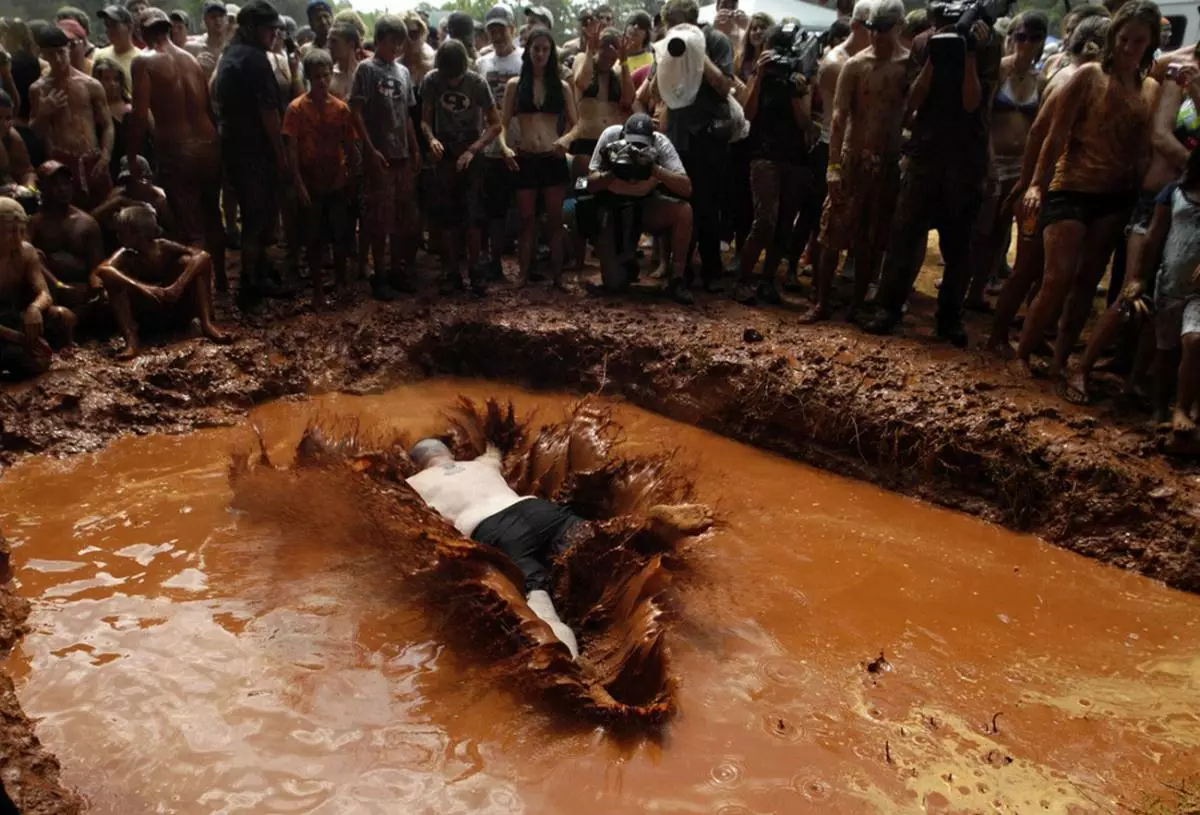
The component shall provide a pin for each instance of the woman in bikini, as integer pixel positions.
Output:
(537, 100)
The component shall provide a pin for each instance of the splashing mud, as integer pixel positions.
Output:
(185, 658)
(609, 583)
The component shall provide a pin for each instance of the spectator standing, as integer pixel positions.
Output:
(207, 49)
(320, 20)
(80, 47)
(639, 31)
(181, 27)
(118, 27)
(496, 182)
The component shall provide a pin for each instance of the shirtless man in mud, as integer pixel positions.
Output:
(24, 298)
(68, 109)
(156, 274)
(68, 238)
(128, 192)
(474, 496)
(169, 84)
(207, 49)
(864, 145)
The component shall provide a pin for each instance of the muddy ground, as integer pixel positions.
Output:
(955, 428)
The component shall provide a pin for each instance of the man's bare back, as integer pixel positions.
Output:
(177, 95)
(70, 106)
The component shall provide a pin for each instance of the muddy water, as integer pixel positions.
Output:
(178, 664)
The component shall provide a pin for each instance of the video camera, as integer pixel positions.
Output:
(793, 51)
(950, 46)
(629, 161)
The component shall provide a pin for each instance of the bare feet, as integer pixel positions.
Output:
(216, 335)
(1181, 423)
(814, 315)
(1026, 368)
(682, 519)
(1075, 387)
(130, 351)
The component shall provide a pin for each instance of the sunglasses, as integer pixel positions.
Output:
(1022, 37)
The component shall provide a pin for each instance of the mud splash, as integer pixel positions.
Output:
(609, 583)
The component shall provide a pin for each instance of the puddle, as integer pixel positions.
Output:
(177, 665)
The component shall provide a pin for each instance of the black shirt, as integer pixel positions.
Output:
(244, 87)
(774, 133)
(709, 105)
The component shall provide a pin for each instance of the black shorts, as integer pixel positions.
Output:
(1085, 207)
(541, 170)
(496, 188)
(531, 533)
(327, 216)
(453, 194)
(583, 147)
(256, 184)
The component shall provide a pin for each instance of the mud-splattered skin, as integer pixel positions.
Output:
(609, 583)
(872, 90)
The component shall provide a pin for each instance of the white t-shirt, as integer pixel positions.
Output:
(497, 71)
(466, 492)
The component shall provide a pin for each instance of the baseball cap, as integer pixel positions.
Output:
(540, 13)
(51, 37)
(180, 16)
(317, 5)
(152, 16)
(48, 169)
(499, 14)
(259, 13)
(72, 29)
(117, 14)
(143, 165)
(211, 6)
(639, 129)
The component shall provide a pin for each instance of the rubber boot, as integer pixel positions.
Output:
(541, 604)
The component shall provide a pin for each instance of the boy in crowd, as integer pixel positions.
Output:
(380, 100)
(459, 120)
(320, 131)
(496, 180)
(156, 274)
(24, 298)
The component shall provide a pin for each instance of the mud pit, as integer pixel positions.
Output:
(174, 664)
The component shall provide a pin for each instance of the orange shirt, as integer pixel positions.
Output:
(320, 131)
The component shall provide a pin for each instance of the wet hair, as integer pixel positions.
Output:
(139, 218)
(551, 80)
(427, 449)
(390, 25)
(685, 10)
(1132, 13)
(346, 31)
(747, 51)
(1087, 40)
(641, 20)
(108, 64)
(451, 59)
(77, 14)
(314, 59)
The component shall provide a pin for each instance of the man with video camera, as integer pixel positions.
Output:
(640, 186)
(946, 161)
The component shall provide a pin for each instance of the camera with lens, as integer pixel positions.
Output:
(950, 46)
(628, 161)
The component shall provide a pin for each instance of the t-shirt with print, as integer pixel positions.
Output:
(458, 110)
(497, 71)
(320, 131)
(386, 92)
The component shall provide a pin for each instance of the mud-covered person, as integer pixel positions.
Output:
(946, 168)
(69, 111)
(460, 119)
(496, 187)
(169, 89)
(207, 48)
(863, 173)
(380, 99)
(69, 240)
(15, 167)
(246, 93)
(156, 280)
(657, 205)
(132, 188)
(24, 297)
(320, 131)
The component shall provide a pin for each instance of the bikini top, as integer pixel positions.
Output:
(1187, 125)
(553, 105)
(614, 87)
(1006, 100)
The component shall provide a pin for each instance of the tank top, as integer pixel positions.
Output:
(1114, 123)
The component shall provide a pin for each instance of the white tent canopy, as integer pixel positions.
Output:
(810, 15)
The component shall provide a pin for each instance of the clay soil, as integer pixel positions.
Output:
(955, 428)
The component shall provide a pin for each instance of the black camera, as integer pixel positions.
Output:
(629, 161)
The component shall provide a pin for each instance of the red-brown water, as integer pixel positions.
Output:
(177, 665)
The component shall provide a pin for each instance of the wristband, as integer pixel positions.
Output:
(834, 165)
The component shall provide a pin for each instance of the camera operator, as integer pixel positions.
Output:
(630, 163)
(947, 163)
(701, 132)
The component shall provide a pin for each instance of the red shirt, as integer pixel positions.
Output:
(320, 131)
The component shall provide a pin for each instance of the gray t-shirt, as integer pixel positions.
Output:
(665, 155)
(497, 71)
(1181, 253)
(458, 111)
(386, 92)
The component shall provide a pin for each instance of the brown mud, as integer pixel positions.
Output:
(956, 429)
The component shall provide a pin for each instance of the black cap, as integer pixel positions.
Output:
(151, 17)
(117, 14)
(639, 129)
(260, 14)
(213, 5)
(51, 37)
(499, 14)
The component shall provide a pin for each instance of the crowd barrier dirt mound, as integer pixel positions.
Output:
(609, 585)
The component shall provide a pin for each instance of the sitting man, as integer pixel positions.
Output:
(132, 189)
(474, 496)
(68, 238)
(24, 298)
(15, 169)
(154, 273)
(627, 167)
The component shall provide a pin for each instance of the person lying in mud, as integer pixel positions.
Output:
(24, 298)
(474, 496)
(156, 279)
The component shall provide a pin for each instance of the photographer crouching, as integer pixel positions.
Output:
(640, 186)
(946, 164)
